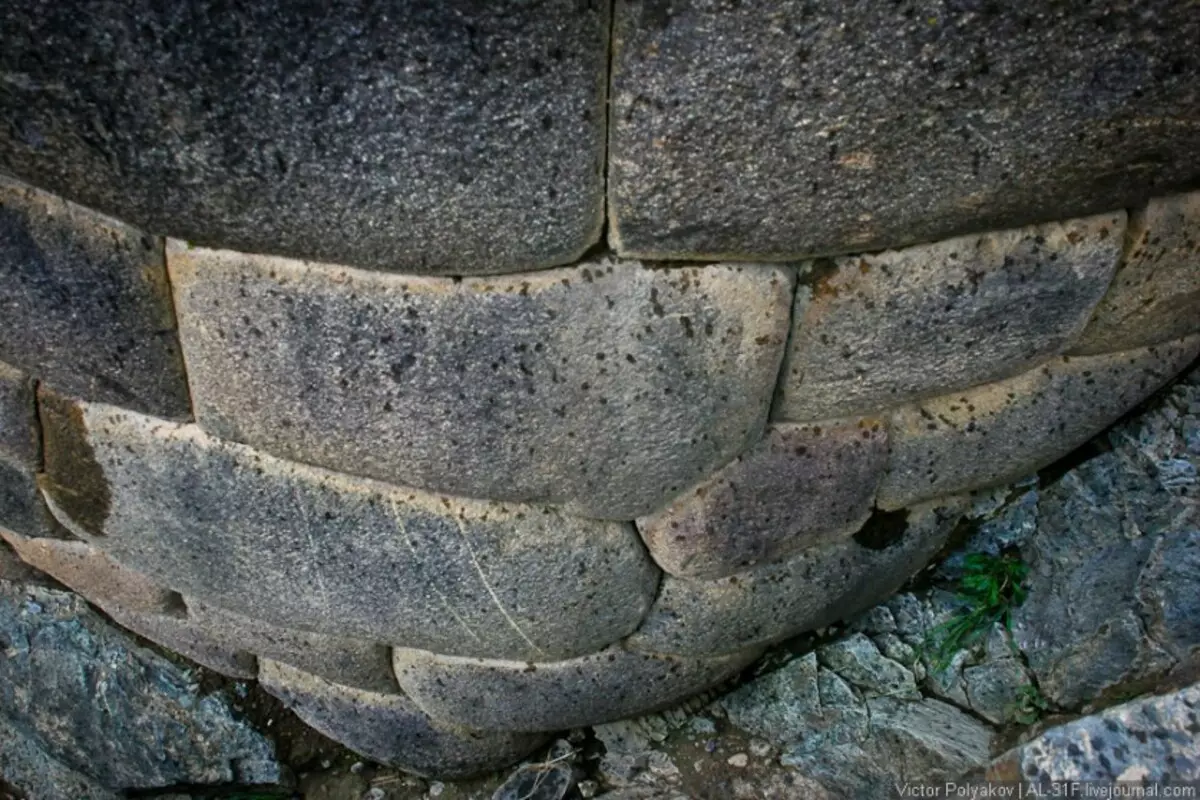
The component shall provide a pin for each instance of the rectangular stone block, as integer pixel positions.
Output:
(995, 434)
(20, 442)
(800, 486)
(86, 305)
(779, 129)
(553, 696)
(871, 332)
(312, 550)
(1155, 295)
(811, 589)
(421, 137)
(606, 388)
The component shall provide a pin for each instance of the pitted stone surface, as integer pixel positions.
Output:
(777, 129)
(86, 306)
(19, 438)
(606, 388)
(550, 696)
(350, 662)
(871, 332)
(812, 589)
(1155, 296)
(423, 137)
(391, 729)
(801, 486)
(1003, 431)
(324, 552)
(176, 632)
(88, 571)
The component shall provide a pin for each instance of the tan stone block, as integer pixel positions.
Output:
(801, 486)
(1155, 295)
(871, 332)
(392, 729)
(551, 696)
(997, 433)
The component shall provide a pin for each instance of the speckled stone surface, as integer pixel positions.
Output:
(557, 695)
(325, 552)
(1003, 431)
(782, 128)
(391, 729)
(19, 438)
(800, 486)
(1155, 295)
(86, 306)
(606, 388)
(874, 331)
(420, 137)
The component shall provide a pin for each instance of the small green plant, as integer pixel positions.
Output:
(1029, 705)
(990, 588)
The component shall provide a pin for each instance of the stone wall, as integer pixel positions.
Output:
(481, 469)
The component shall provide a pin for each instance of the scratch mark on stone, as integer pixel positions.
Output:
(315, 552)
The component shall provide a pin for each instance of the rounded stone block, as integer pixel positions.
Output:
(552, 696)
(606, 388)
(801, 486)
(85, 304)
(324, 552)
(1155, 296)
(1000, 432)
(780, 129)
(423, 136)
(812, 589)
(177, 633)
(871, 332)
(391, 729)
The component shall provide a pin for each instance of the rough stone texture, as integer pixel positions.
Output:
(858, 660)
(997, 433)
(99, 704)
(88, 571)
(801, 486)
(19, 437)
(350, 662)
(12, 568)
(21, 506)
(86, 304)
(872, 332)
(320, 551)
(606, 388)
(390, 728)
(810, 590)
(423, 137)
(1149, 740)
(551, 696)
(1155, 296)
(176, 632)
(24, 763)
(778, 129)
(993, 689)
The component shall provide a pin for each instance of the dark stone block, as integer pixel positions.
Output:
(423, 136)
(776, 129)
(20, 441)
(86, 306)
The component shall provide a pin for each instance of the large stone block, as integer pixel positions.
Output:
(175, 632)
(552, 696)
(392, 729)
(872, 332)
(20, 442)
(422, 136)
(775, 129)
(606, 388)
(997, 433)
(801, 486)
(812, 589)
(86, 305)
(1155, 296)
(327, 553)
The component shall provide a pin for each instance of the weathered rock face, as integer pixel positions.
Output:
(606, 388)
(780, 129)
(21, 507)
(423, 138)
(97, 703)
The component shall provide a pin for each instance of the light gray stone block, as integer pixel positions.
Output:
(327, 553)
(801, 486)
(606, 388)
(871, 332)
(551, 696)
(999, 432)
(420, 137)
(775, 129)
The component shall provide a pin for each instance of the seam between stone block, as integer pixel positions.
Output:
(173, 306)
